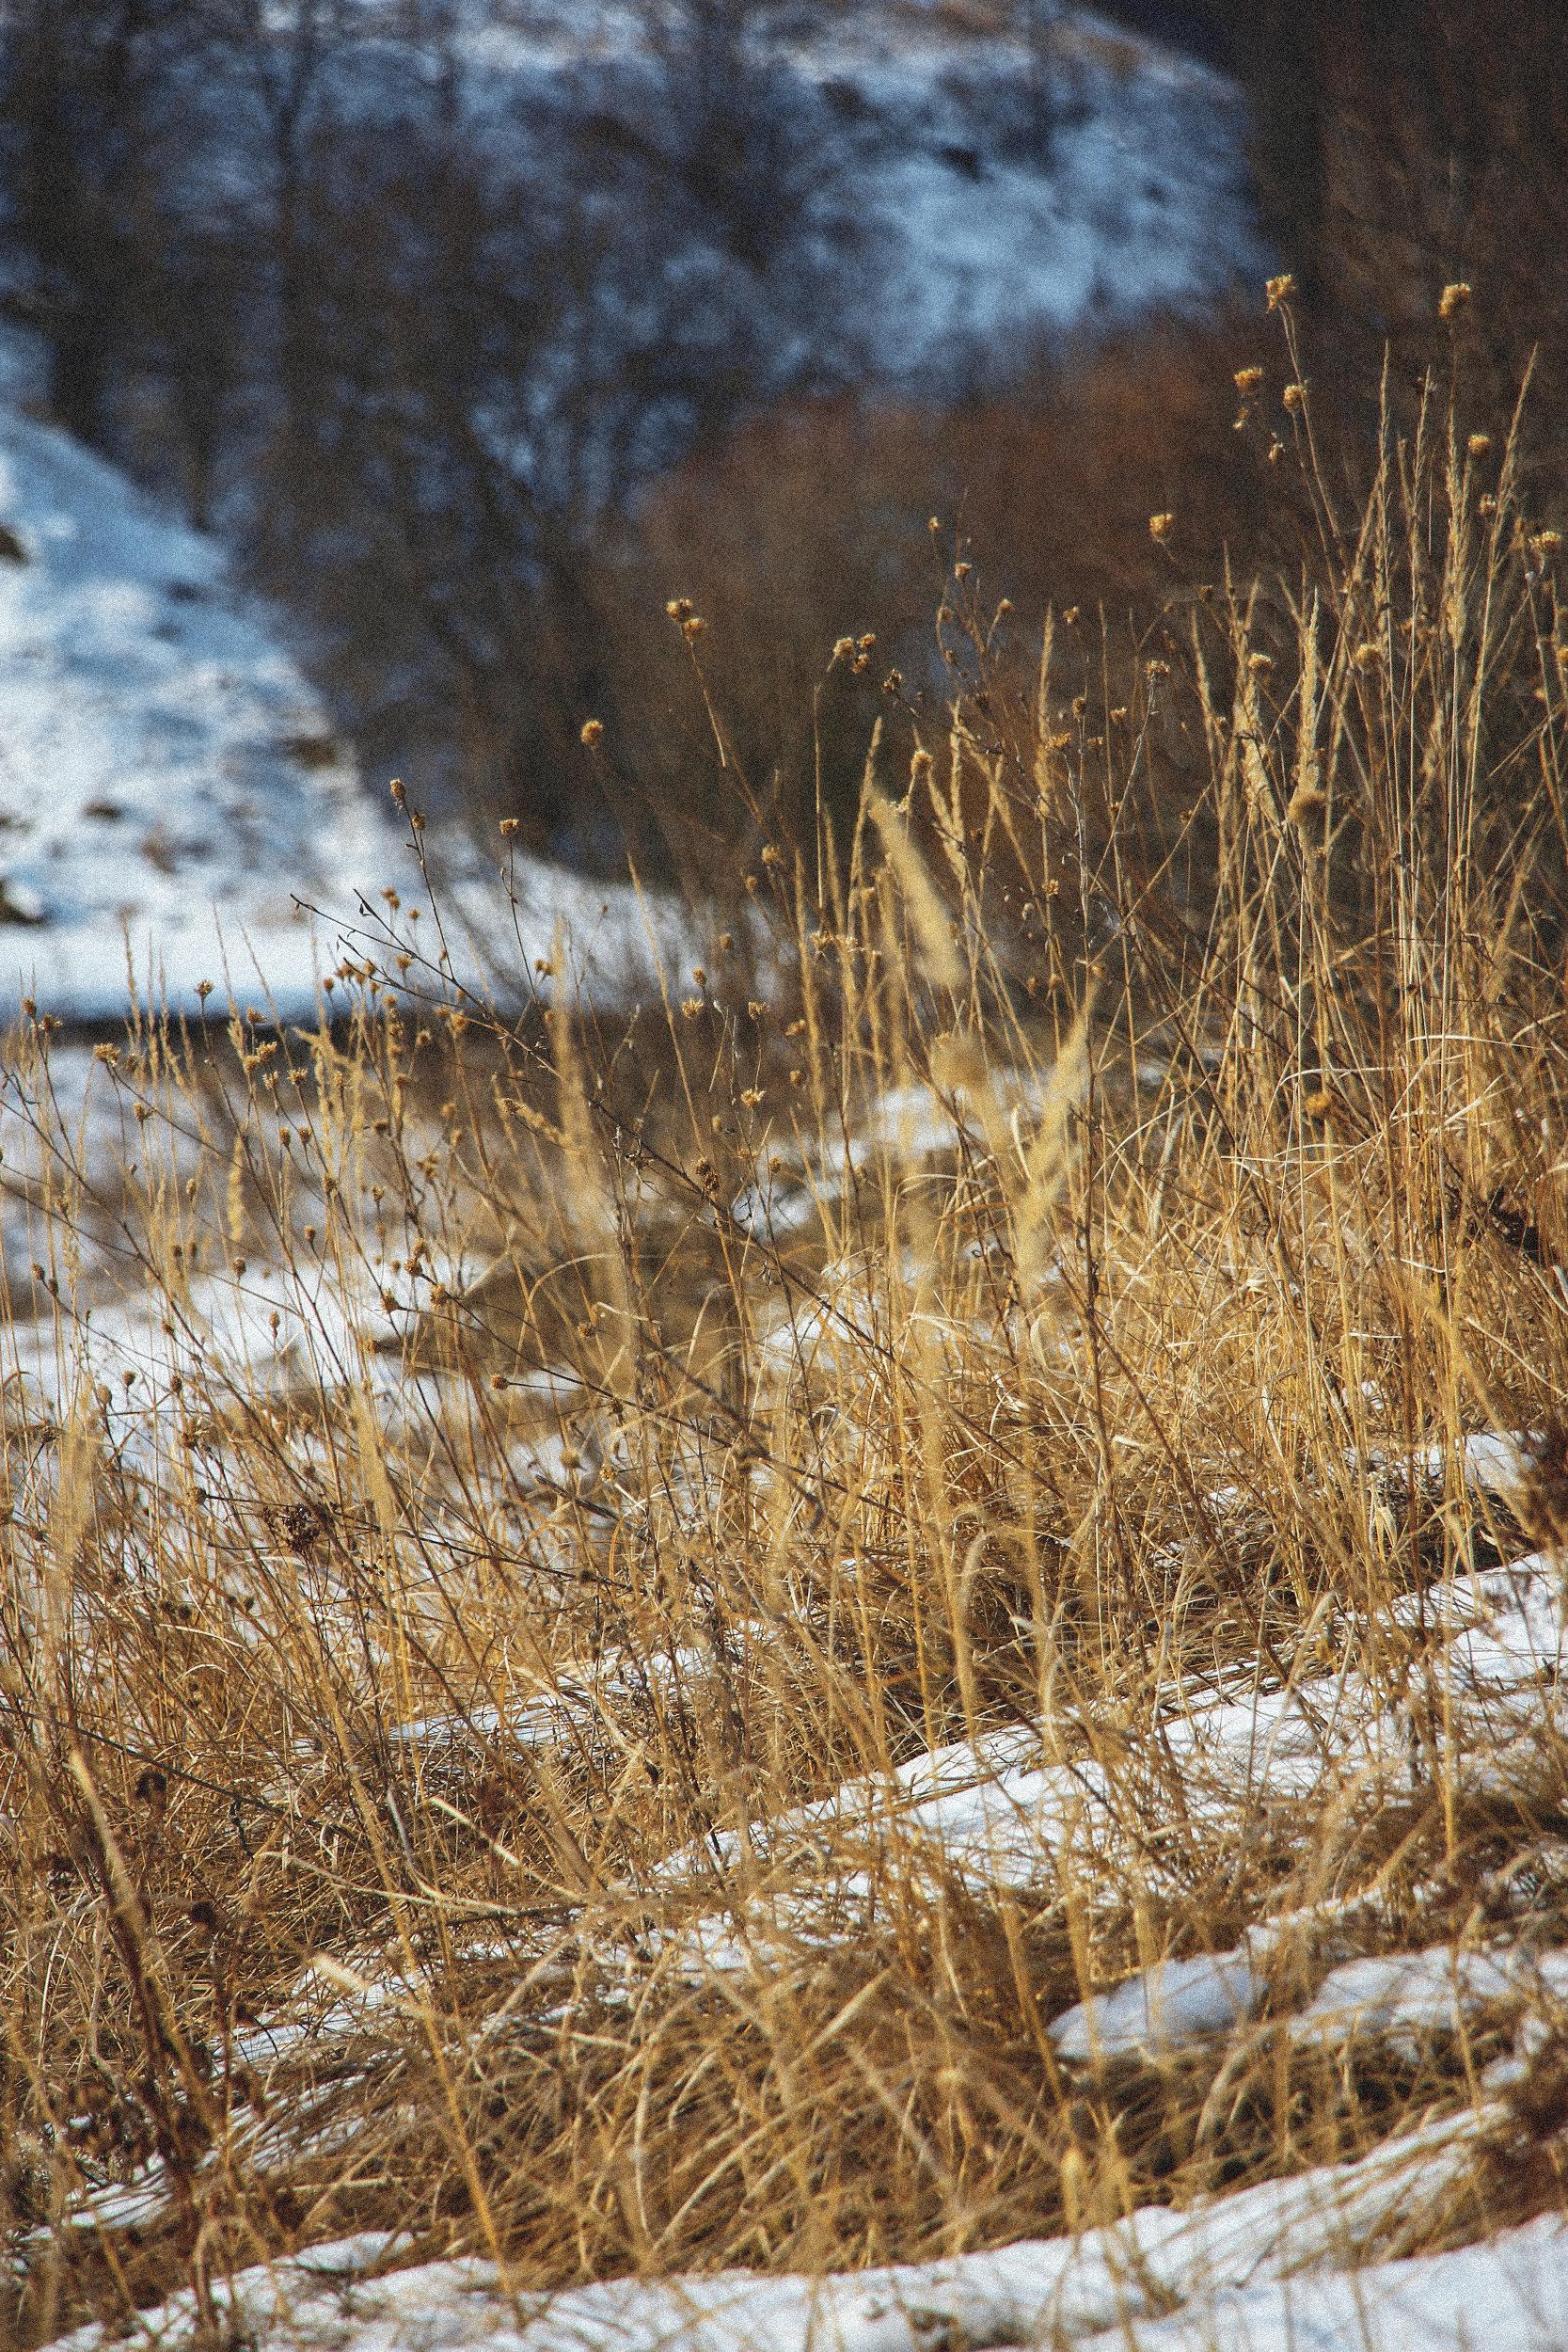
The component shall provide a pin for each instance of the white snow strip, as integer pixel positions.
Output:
(1144, 2274)
(1163, 2009)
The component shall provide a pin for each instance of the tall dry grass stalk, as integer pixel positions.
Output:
(1017, 1285)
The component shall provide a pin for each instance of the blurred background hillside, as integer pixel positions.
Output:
(475, 331)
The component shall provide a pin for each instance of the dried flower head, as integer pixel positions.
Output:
(1160, 526)
(593, 732)
(1453, 299)
(1280, 289)
(508, 826)
(1479, 444)
(1247, 381)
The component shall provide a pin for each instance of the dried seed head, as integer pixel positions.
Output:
(1452, 300)
(593, 732)
(1160, 526)
(1247, 381)
(1280, 289)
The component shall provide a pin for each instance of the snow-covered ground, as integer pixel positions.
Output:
(1316, 2259)
(1267, 2270)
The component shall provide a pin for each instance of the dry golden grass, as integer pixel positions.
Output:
(1014, 1311)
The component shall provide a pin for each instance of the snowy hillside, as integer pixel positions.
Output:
(1003, 188)
(177, 817)
(169, 788)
